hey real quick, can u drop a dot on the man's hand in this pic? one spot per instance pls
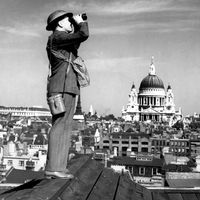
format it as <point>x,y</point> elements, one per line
<point>78,19</point>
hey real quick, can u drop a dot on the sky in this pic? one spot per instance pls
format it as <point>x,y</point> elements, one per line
<point>124,35</point>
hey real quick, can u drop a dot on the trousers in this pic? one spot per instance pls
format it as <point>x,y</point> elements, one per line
<point>59,137</point>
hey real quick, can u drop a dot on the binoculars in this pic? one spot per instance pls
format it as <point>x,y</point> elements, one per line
<point>84,16</point>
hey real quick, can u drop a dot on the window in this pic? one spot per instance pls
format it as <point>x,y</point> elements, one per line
<point>21,163</point>
<point>154,171</point>
<point>106,141</point>
<point>124,148</point>
<point>115,142</point>
<point>142,171</point>
<point>167,143</point>
<point>135,149</point>
<point>130,169</point>
<point>10,162</point>
<point>125,142</point>
<point>134,142</point>
<point>145,143</point>
<point>143,149</point>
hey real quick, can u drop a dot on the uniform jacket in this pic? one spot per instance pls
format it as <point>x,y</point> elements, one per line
<point>65,43</point>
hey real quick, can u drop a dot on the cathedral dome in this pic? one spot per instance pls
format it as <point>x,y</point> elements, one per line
<point>151,81</point>
<point>152,85</point>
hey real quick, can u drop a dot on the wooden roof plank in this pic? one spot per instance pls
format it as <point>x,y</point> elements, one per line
<point>127,190</point>
<point>142,192</point>
<point>175,196</point>
<point>198,195</point>
<point>82,185</point>
<point>189,196</point>
<point>106,186</point>
<point>17,196</point>
<point>51,187</point>
<point>46,188</point>
<point>19,191</point>
<point>160,196</point>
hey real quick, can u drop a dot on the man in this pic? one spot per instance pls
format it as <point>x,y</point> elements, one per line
<point>68,32</point>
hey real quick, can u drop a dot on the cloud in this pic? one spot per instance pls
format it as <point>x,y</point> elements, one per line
<point>179,25</point>
<point>112,64</point>
<point>115,17</point>
<point>126,17</point>
<point>129,7</point>
<point>21,31</point>
<point>10,51</point>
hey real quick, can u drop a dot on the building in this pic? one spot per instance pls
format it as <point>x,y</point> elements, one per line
<point>25,111</point>
<point>78,118</point>
<point>131,144</point>
<point>125,144</point>
<point>34,157</point>
<point>78,115</point>
<point>195,145</point>
<point>180,147</point>
<point>145,169</point>
<point>152,102</point>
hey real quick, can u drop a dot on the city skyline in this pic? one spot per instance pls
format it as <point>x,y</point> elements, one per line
<point>123,38</point>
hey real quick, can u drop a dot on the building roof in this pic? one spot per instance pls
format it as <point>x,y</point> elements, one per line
<point>92,182</point>
<point>176,168</point>
<point>151,81</point>
<point>155,162</point>
<point>125,135</point>
<point>183,183</point>
<point>40,140</point>
<point>22,176</point>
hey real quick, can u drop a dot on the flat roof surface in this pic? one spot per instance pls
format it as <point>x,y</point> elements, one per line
<point>183,183</point>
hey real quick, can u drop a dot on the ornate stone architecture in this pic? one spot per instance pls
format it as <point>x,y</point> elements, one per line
<point>152,102</point>
<point>78,115</point>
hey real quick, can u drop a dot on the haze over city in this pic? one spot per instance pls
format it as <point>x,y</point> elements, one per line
<point>124,35</point>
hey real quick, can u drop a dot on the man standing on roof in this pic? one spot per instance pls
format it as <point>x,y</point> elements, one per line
<point>68,32</point>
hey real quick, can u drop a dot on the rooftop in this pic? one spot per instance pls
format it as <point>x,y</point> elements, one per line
<point>92,181</point>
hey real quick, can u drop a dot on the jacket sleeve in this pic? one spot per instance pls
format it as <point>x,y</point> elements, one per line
<point>65,39</point>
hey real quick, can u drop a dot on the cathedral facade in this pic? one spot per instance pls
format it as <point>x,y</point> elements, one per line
<point>152,102</point>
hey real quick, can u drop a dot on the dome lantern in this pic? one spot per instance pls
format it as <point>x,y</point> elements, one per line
<point>152,70</point>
